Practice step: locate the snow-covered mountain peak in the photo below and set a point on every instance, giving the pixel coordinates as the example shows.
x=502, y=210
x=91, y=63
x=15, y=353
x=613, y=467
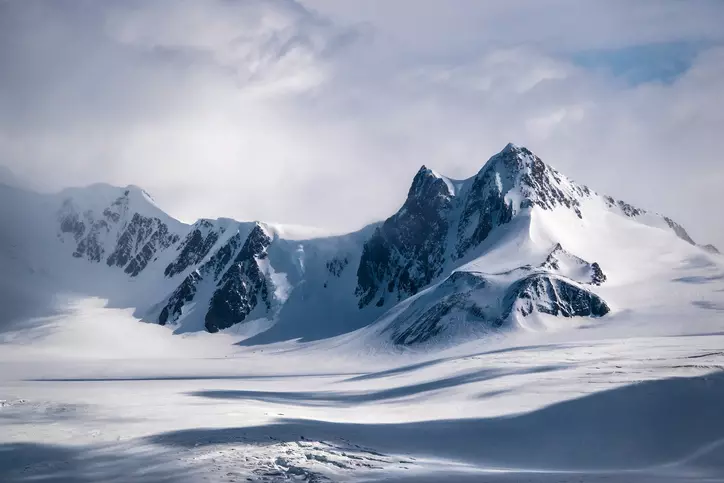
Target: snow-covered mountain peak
x=521, y=228
x=120, y=226
x=429, y=184
x=98, y=197
x=525, y=180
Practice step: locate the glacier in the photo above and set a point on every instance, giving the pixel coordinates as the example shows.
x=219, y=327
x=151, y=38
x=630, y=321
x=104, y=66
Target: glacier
x=512, y=326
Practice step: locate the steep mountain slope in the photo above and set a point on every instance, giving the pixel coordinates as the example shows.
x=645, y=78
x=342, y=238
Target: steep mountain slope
x=121, y=228
x=513, y=246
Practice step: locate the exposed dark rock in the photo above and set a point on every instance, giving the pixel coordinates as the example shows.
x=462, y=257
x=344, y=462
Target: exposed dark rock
x=543, y=184
x=181, y=296
x=159, y=241
x=141, y=239
x=552, y=262
x=558, y=254
x=417, y=325
x=71, y=223
x=211, y=271
x=485, y=208
x=408, y=250
x=194, y=248
x=711, y=249
x=337, y=265
x=428, y=325
x=597, y=277
x=551, y=295
x=220, y=260
x=679, y=230
x=91, y=246
x=628, y=210
x=242, y=287
x=454, y=302
x=136, y=232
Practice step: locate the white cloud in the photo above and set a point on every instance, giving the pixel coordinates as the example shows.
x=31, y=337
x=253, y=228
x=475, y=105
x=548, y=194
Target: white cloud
x=268, y=110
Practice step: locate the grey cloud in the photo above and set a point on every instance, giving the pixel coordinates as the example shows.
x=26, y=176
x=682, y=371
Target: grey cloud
x=321, y=113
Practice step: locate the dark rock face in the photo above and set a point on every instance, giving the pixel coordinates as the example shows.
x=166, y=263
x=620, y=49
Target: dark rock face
x=184, y=294
x=211, y=270
x=551, y=295
x=160, y=240
x=711, y=249
x=633, y=212
x=555, y=259
x=472, y=301
x=597, y=277
x=429, y=323
x=552, y=262
x=140, y=241
x=220, y=260
x=71, y=223
x=408, y=250
x=485, y=208
x=336, y=266
x=242, y=287
x=91, y=246
x=138, y=230
x=627, y=209
x=542, y=184
x=194, y=248
x=679, y=230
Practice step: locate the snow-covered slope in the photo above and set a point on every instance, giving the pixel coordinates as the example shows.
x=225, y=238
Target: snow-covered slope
x=518, y=245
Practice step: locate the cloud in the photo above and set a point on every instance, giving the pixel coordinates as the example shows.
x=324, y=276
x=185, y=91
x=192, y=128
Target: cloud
x=320, y=113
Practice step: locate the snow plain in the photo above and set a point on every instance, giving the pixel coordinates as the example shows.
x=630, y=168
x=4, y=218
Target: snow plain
x=93, y=395
x=89, y=393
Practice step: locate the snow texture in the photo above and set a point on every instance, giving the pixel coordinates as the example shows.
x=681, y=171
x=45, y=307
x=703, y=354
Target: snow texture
x=514, y=326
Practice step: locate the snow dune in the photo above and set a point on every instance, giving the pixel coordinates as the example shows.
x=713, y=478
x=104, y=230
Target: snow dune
x=93, y=395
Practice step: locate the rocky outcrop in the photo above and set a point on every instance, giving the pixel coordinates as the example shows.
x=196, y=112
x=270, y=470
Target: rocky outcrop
x=140, y=241
x=112, y=237
x=408, y=251
x=183, y=295
x=225, y=272
x=546, y=294
x=209, y=272
x=243, y=287
x=564, y=263
x=195, y=247
x=473, y=302
x=453, y=300
x=711, y=249
x=485, y=208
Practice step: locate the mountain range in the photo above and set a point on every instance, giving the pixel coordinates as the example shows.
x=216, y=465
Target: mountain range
x=517, y=246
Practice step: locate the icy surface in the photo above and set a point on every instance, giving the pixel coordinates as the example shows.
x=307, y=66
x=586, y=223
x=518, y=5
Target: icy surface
x=93, y=395
x=457, y=369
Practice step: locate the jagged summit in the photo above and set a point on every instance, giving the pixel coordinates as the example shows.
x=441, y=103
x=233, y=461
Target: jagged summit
x=428, y=183
x=515, y=242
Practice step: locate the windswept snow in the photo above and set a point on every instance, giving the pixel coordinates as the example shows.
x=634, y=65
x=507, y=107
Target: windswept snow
x=545, y=333
x=93, y=395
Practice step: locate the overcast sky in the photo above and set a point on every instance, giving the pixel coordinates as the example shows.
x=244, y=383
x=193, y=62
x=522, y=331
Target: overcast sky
x=320, y=112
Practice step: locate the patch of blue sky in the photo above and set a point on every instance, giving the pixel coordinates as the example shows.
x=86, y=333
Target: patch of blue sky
x=657, y=62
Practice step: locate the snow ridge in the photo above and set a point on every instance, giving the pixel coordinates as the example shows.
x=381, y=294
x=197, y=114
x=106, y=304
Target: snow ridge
x=490, y=252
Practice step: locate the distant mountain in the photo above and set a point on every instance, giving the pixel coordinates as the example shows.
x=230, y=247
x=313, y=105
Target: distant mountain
x=8, y=178
x=711, y=248
x=513, y=246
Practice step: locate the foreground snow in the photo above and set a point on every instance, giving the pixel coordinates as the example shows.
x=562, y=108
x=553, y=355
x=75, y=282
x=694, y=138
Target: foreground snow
x=93, y=395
